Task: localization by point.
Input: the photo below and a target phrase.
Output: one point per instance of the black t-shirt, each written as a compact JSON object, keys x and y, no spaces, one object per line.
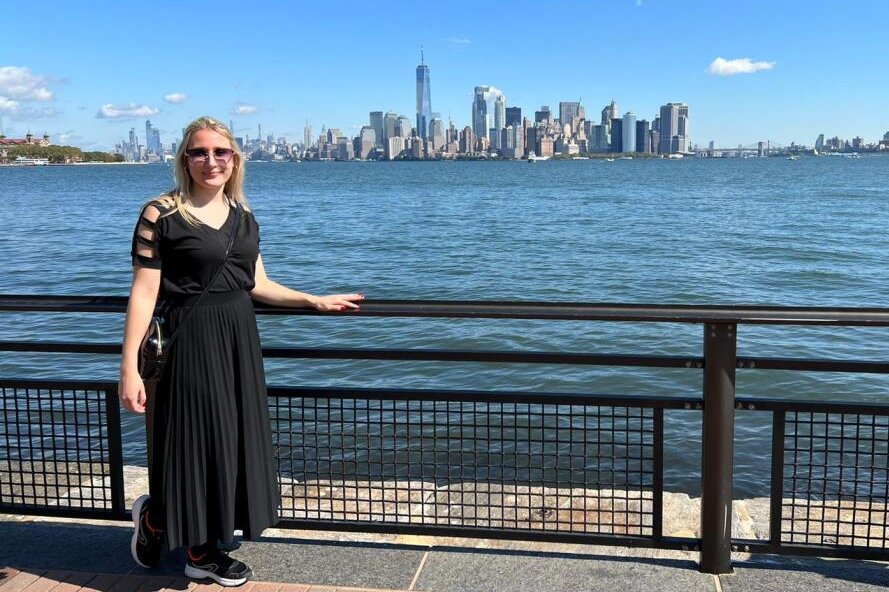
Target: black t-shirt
{"x":188,"y":255}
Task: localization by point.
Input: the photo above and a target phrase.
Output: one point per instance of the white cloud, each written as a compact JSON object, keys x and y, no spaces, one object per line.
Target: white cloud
{"x":460,"y":41}
{"x":244,"y":109}
{"x":724,"y":67}
{"x":8,"y":105}
{"x":176,"y":98}
{"x":20,"y":83}
{"x":128,"y":111}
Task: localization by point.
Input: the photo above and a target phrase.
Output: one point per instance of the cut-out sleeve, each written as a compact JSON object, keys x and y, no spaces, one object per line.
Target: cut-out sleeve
{"x":146,"y":238}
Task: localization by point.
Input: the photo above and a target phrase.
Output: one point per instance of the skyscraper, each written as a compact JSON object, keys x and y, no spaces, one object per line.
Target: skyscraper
{"x":567,"y":113}
{"x":307,"y":136}
{"x":674,"y":128}
{"x":424,"y":102}
{"x":488,"y":110}
{"x":152,"y":137}
{"x":629,"y":132}
{"x":376,"y":122}
{"x":513,"y":116}
{"x":390,"y":121}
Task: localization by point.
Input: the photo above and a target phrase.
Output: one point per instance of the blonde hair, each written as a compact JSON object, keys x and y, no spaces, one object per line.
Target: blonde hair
{"x":174,"y":200}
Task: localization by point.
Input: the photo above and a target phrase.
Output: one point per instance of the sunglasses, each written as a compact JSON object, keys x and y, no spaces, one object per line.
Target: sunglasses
{"x":202,"y":155}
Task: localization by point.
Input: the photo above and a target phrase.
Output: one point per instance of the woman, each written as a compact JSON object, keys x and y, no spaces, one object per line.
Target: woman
{"x":213,"y":469}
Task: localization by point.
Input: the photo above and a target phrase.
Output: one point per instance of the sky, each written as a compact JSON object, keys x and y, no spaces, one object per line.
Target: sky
{"x":780,"y":70}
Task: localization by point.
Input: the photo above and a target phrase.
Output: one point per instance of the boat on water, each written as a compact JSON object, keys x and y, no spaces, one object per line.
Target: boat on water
{"x":609,"y":159}
{"x":28,"y":161}
{"x":580,"y":158}
{"x":793,"y":157}
{"x":537,"y":158}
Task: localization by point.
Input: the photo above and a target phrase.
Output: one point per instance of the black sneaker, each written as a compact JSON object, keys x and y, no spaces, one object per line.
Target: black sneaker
{"x":217,"y":566}
{"x":147,"y":542}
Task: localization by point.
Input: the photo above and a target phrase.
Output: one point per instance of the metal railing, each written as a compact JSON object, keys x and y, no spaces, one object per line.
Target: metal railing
{"x":498,"y":464}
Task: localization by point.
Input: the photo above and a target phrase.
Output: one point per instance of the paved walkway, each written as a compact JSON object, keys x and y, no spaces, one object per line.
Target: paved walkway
{"x":43,"y":555}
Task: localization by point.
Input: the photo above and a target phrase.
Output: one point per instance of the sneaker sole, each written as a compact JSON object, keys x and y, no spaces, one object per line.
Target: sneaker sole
{"x":197,"y":573}
{"x":137,"y":510}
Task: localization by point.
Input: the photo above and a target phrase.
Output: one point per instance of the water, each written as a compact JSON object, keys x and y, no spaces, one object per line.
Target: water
{"x":759,"y":231}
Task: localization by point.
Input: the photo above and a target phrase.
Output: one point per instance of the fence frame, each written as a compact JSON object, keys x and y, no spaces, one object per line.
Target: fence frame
{"x":719,"y":363}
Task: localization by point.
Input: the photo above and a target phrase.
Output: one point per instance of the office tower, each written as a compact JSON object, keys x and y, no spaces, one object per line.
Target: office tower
{"x":344,"y":148}
{"x":390,"y":122}
{"x":436,"y":134}
{"x":367,"y":141}
{"x":608,"y":113}
{"x":544,"y":115}
{"x":629,"y":132}
{"x":467,"y":141}
{"x":673,"y":128}
{"x":424,"y":102}
{"x":376,"y":123}
{"x":513,"y":116}
{"x":307,"y":136}
{"x":643,"y":137}
{"x":568,"y":113}
{"x":617,"y":138}
{"x":152,"y":138}
{"x":488,"y":110}
{"x":404,"y":127}
{"x":819,"y":143}
{"x":500,"y":113}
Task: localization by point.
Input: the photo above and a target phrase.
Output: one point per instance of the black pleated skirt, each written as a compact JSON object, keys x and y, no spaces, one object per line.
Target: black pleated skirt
{"x":213,"y":468}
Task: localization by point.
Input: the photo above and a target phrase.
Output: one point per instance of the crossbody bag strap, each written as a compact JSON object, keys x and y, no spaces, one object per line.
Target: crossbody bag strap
{"x":228,"y":248}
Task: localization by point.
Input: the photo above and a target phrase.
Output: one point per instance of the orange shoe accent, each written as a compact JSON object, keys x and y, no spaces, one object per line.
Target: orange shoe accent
{"x":148,"y":524}
{"x":192,"y":557}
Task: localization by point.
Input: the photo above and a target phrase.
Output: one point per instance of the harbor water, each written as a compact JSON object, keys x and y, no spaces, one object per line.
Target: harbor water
{"x":811,"y":232}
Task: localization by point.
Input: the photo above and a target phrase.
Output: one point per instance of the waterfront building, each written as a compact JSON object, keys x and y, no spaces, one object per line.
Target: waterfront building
{"x":545,"y":147}
{"x":376,"y":123}
{"x":568,"y":113}
{"x":404,"y":127}
{"x":819,"y":143}
{"x":436,"y":135}
{"x":390,"y":122}
{"x":344,"y":148}
{"x":531,"y":135}
{"x":494,"y":138}
{"x":643,"y":137}
{"x":417,"y":147}
{"x":628,"y":127}
{"x":424,"y":101}
{"x":488,"y":110}
{"x":617,"y":136}
{"x":673,"y":128}
{"x":467,"y":141}
{"x":367,"y":142}
{"x":395,"y":146}
{"x":513,"y":116}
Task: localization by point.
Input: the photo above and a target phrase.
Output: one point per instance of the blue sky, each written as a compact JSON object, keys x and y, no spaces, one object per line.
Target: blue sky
{"x":87,"y":72}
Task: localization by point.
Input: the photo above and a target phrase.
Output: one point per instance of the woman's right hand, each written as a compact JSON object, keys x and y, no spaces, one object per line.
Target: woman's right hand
{"x":131,"y":391}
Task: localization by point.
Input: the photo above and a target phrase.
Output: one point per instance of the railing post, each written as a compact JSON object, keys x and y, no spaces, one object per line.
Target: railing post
{"x":720,"y":358}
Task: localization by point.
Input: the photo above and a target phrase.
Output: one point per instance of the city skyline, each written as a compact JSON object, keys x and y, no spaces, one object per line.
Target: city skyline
{"x":802,"y":71}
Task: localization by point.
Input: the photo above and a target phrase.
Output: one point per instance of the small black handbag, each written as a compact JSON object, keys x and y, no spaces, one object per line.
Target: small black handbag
{"x":153,"y":354}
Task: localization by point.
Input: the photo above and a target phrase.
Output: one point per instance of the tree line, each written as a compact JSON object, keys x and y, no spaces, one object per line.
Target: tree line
{"x":60,"y":154}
